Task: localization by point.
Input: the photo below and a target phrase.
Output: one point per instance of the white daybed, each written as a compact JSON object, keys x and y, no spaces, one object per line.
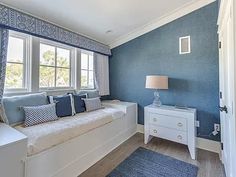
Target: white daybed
{"x":69,"y":146}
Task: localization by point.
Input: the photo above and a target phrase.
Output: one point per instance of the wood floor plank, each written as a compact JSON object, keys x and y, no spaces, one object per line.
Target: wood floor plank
{"x":209,"y":163}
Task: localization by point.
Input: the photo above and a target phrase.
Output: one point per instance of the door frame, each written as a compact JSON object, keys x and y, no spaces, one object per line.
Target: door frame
{"x":228,"y":7}
{"x":234,"y":23}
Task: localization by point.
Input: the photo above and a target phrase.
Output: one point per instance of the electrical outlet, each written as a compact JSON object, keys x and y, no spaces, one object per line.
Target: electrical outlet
{"x":217,"y":127}
{"x":197,"y":123}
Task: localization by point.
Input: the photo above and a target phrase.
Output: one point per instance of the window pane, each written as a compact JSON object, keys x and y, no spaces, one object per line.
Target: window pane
{"x":14,"y":76}
{"x":84,"y":61}
{"x":15,"y":50}
{"x":63,"y":77}
{"x":63,"y":57}
{"x":84,"y":78}
{"x":90,"y":62}
{"x":91,"y":81}
{"x":47,"y":55}
{"x":47,"y":76}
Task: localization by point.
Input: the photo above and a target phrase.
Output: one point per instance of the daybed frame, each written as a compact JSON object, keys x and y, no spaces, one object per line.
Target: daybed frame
{"x":73,"y":157}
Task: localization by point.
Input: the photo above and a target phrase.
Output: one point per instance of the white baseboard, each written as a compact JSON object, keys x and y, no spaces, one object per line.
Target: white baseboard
{"x":140,"y":128}
{"x":205,"y":144}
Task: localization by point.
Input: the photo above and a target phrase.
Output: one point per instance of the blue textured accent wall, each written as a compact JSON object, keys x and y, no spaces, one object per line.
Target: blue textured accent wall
{"x":194,"y":78}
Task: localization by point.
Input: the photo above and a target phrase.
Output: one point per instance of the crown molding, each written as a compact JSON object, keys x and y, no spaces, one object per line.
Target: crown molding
{"x":177,"y":13}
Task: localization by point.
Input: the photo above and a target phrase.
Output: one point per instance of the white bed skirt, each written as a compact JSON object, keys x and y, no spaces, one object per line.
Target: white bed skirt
{"x":73,"y":157}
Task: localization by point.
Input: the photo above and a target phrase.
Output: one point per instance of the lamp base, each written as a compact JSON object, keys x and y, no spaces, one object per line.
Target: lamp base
{"x":157,"y":100}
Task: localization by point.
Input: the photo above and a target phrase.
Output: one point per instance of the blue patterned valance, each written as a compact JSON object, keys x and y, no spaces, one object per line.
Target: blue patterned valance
{"x":15,"y":20}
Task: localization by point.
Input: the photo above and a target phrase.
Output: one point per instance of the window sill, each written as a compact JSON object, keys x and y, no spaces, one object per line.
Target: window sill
{"x":8,"y":93}
{"x":15,"y":93}
{"x":86,"y":89}
{"x":56,"y":89}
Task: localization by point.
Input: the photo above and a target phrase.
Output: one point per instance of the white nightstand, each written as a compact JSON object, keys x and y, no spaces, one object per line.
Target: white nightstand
{"x":13,"y":152}
{"x":170,"y":123}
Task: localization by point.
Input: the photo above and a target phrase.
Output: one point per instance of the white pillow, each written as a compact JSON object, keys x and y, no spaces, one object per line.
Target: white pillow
{"x":92,"y":104}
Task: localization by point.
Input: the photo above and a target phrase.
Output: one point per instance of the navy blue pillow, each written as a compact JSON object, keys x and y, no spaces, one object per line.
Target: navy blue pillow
{"x":79,"y":103}
{"x":63,"y":105}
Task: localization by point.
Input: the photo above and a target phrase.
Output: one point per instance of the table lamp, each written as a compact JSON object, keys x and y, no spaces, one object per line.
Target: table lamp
{"x":158,"y":83}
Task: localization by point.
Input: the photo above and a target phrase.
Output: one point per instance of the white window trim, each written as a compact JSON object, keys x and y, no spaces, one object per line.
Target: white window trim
{"x":71,"y":68}
{"x":180,"y":45}
{"x":26,"y":62}
{"x":32,"y":67}
{"x":87,"y":70}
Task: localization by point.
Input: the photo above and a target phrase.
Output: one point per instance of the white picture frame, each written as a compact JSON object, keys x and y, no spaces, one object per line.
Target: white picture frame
{"x":184,"y":45}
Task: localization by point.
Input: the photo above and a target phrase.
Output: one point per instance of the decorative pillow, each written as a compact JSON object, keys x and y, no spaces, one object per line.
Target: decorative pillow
{"x":79,"y":103}
{"x":92,"y":104}
{"x":13,"y":106}
{"x":39,"y":114}
{"x":64,"y":105}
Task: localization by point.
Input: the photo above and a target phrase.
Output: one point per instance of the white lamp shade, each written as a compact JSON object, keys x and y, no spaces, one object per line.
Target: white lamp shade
{"x":156,"y":82}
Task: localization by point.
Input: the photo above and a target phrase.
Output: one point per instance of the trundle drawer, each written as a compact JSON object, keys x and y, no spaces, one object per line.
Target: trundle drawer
{"x":168,"y":121}
{"x":167,"y":133}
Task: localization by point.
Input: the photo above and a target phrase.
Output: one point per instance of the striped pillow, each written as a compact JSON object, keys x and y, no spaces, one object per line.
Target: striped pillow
{"x":92,"y":104}
{"x":40,"y":114}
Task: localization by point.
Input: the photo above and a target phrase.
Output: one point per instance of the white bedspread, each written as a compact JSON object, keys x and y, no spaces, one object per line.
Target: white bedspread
{"x":47,"y":135}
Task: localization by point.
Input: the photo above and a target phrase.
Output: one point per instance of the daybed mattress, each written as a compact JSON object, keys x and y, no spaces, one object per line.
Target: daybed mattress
{"x":44,"y":136}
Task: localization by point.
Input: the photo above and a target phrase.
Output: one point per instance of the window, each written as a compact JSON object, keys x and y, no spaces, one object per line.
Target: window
{"x":55,"y":66}
{"x":35,"y":64}
{"x":87,"y":70}
{"x":16,"y":76}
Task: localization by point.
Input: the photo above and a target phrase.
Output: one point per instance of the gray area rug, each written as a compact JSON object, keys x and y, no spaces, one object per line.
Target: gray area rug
{"x":146,"y":163}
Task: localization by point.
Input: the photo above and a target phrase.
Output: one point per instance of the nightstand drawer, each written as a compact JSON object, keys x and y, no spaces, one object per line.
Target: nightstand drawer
{"x":168,"y":121}
{"x":170,"y":134}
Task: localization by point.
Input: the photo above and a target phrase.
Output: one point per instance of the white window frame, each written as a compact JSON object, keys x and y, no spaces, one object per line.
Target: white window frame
{"x":87,"y":70}
{"x":180,"y":45}
{"x":32,"y":66}
{"x":72,"y":66}
{"x":26,"y":62}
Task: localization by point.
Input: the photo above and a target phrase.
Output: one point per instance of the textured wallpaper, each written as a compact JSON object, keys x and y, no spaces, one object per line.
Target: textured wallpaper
{"x":194,"y":77}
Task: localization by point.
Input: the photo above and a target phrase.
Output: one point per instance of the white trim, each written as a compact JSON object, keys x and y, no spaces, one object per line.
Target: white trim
{"x":32,"y":65}
{"x":57,"y":45}
{"x":25,"y":63}
{"x":177,"y":13}
{"x":209,"y":145}
{"x":234,"y":21}
{"x":140,"y":128}
{"x":88,"y":70}
{"x":226,"y":30}
{"x":180,"y":45}
{"x":202,"y":143}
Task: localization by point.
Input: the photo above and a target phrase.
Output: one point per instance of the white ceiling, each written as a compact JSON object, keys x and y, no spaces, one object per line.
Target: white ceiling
{"x":93,"y":18}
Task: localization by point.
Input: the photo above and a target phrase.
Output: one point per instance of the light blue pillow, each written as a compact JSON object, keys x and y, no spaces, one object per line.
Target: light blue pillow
{"x":90,"y":93}
{"x":13,"y":106}
{"x":40,"y":114}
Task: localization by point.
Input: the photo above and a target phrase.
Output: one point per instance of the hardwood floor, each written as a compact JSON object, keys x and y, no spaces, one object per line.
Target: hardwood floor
{"x":209,"y":163}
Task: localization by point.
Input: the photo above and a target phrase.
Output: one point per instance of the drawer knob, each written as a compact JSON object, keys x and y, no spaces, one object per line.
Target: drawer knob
{"x":179,"y":137}
{"x":154,"y":119}
{"x":180,"y":124}
{"x":155,"y":131}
